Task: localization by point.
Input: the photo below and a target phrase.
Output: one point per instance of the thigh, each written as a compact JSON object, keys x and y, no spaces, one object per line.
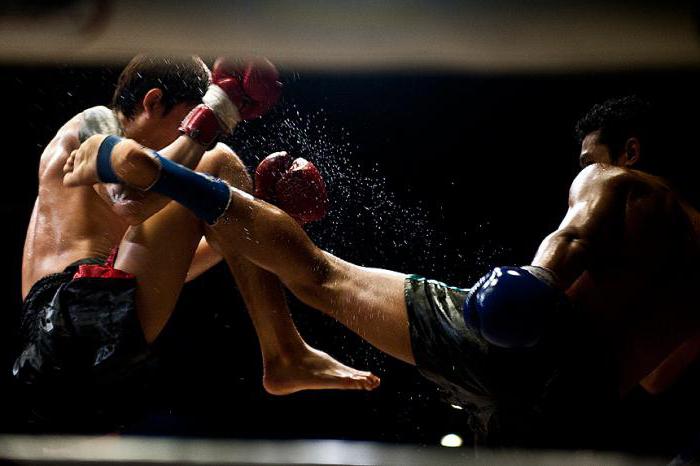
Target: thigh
{"x":159,"y":252}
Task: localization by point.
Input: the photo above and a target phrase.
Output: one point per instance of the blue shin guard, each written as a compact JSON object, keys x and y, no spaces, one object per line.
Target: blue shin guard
{"x":207,"y":197}
{"x":104,"y":160}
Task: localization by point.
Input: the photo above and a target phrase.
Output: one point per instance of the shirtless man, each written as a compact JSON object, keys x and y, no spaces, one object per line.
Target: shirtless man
{"x":544,"y":351}
{"x":78,"y":312}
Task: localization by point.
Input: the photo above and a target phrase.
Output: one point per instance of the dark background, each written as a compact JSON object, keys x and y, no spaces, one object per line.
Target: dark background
{"x":439,"y":174}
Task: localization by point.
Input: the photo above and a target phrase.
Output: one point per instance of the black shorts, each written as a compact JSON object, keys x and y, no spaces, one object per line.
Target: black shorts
{"x":515,"y":390}
{"x":81,"y":343}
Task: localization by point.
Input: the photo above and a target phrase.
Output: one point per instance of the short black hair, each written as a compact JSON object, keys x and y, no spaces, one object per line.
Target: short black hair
{"x":182,"y":80}
{"x":618,"y":120}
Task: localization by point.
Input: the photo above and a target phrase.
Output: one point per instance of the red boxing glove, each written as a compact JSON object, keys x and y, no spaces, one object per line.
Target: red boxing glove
{"x":252,"y":85}
{"x":268,"y":173}
{"x":295,"y":186}
{"x":239,"y":91}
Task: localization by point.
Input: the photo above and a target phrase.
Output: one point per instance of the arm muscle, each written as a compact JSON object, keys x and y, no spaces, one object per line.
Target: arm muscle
{"x":592,"y":227}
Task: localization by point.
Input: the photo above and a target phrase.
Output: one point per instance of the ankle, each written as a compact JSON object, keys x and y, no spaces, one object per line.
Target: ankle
{"x":284,"y":354}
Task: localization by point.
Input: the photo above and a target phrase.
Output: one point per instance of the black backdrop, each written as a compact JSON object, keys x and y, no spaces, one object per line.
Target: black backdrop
{"x":439,"y":174}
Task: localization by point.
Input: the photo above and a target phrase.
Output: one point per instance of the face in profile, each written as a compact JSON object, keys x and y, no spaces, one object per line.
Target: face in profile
{"x":594,"y":152}
{"x":155,"y":128}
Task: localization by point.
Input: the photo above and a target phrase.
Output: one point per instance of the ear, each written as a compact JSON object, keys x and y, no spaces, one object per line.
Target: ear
{"x":632,"y":152}
{"x":152,"y":102}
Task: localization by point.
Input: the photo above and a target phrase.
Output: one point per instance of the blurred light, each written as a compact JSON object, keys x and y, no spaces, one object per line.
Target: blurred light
{"x":456,"y":407}
{"x":451,"y":441}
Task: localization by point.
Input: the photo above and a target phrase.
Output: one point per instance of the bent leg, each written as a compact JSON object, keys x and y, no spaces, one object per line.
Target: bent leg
{"x":160,"y":251}
{"x":368,"y":301}
{"x":289,"y":364}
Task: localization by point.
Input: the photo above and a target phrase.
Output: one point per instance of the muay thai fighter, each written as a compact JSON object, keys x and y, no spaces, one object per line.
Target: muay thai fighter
{"x":538,"y":352}
{"x":85,"y":320}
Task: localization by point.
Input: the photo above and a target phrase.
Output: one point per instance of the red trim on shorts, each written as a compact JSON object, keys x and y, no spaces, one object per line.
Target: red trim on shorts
{"x":102,"y":271}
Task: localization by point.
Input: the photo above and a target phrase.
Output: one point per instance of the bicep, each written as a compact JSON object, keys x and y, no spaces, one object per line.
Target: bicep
{"x":593,"y":226}
{"x":567,"y":253}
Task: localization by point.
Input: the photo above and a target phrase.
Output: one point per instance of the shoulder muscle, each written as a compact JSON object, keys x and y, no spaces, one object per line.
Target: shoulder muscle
{"x":57,"y":151}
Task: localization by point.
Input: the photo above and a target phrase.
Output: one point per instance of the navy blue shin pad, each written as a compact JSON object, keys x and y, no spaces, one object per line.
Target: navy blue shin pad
{"x":207,"y":197}
{"x":104,"y":163}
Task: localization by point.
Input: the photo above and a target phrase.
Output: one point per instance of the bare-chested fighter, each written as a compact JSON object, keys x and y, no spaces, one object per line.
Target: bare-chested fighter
{"x":82,"y":318}
{"x":607,"y":304}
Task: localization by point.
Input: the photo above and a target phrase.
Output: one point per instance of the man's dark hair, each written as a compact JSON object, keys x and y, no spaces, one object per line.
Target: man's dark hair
{"x":182,"y":80}
{"x":659,"y":129}
{"x":618,"y":120}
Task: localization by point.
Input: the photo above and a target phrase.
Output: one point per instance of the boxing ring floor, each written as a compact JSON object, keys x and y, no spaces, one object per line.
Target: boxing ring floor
{"x":116,"y":450}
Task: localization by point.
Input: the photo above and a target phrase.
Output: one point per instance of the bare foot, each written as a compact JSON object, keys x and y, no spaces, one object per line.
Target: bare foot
{"x":313,"y":370}
{"x":132,"y":164}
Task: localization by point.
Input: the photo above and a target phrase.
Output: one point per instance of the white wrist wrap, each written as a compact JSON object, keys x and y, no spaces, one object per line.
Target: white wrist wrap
{"x":225,"y":110}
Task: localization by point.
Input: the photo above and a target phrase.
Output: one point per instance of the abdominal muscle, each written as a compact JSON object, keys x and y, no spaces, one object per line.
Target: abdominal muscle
{"x":67,"y":224}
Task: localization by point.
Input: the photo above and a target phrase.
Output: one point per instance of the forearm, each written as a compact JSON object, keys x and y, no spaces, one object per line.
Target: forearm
{"x":239,"y":91}
{"x":185,"y":151}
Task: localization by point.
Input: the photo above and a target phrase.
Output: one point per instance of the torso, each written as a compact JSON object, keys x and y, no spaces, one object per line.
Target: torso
{"x":67,"y":224}
{"x":643,"y":298}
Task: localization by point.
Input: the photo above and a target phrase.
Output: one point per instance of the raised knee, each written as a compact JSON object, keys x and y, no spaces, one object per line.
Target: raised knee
{"x":222,"y":162}
{"x":129,"y":151}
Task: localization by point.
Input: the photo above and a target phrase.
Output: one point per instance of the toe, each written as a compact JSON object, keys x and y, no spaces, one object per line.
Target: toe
{"x":68,"y":166}
{"x":373,"y":381}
